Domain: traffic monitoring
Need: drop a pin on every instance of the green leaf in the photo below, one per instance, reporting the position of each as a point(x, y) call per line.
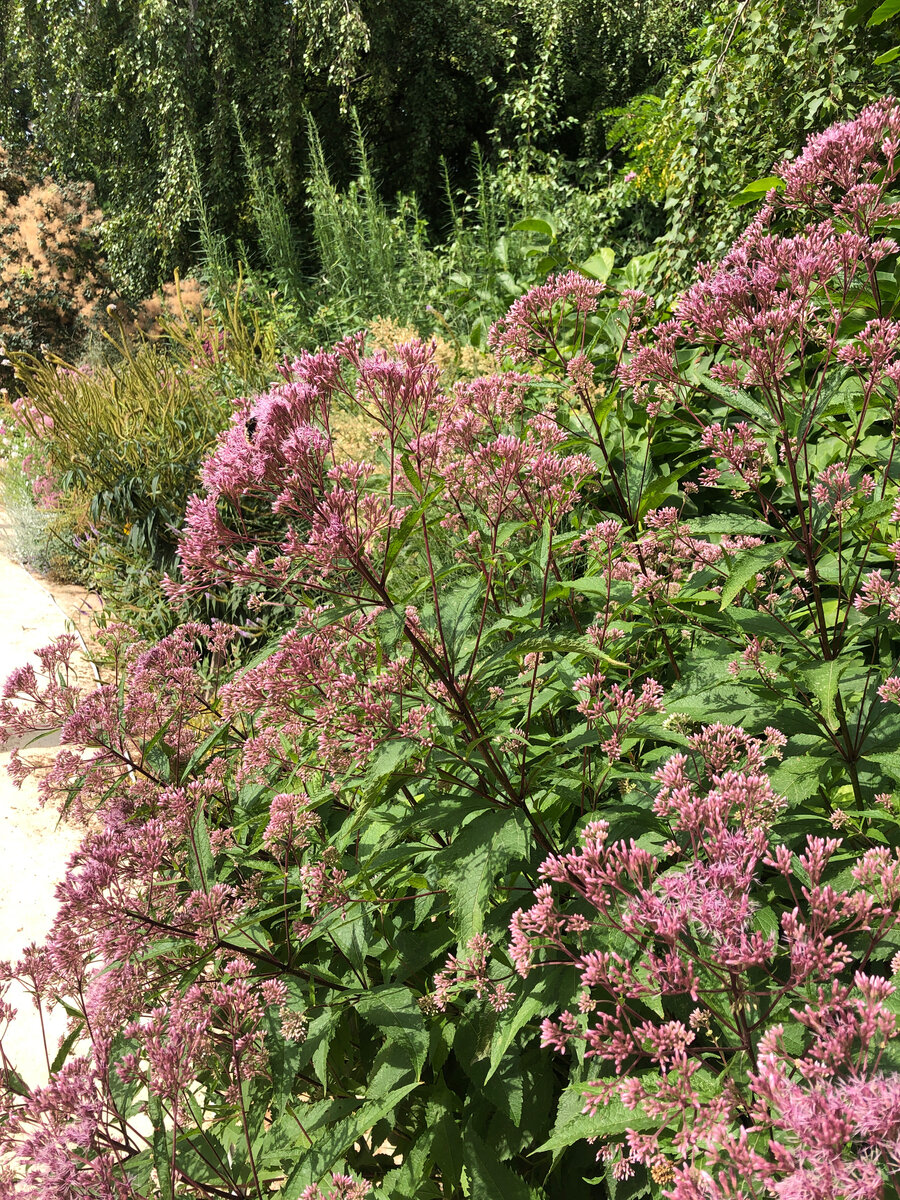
point(457, 610)
point(889, 763)
point(65, 1049)
point(201, 867)
point(387, 760)
point(14, 1082)
point(448, 1147)
point(480, 851)
point(160, 1144)
point(884, 12)
point(756, 190)
point(823, 681)
point(542, 998)
point(337, 1140)
point(395, 1013)
point(408, 525)
point(490, 1179)
point(735, 398)
point(733, 525)
point(799, 778)
point(600, 263)
point(573, 1125)
point(887, 57)
point(747, 564)
point(546, 227)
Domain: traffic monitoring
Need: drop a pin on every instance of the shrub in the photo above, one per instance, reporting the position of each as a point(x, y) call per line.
point(545, 600)
point(53, 281)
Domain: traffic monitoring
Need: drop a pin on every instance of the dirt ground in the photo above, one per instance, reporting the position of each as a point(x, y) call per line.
point(34, 846)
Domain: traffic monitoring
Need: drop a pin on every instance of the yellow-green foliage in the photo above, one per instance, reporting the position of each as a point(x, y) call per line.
point(131, 434)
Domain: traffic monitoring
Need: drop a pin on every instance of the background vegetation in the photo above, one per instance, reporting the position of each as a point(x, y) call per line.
point(499, 706)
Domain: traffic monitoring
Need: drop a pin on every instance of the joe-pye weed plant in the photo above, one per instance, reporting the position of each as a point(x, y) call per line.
point(591, 592)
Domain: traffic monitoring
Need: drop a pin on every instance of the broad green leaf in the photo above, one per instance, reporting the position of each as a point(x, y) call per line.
point(337, 1139)
point(884, 12)
point(756, 190)
point(545, 226)
point(387, 759)
point(746, 564)
point(201, 867)
point(735, 526)
point(66, 1048)
point(736, 398)
point(510, 1023)
point(160, 1144)
point(457, 611)
point(449, 1150)
point(799, 778)
point(490, 1179)
point(408, 525)
point(14, 1082)
point(889, 763)
point(887, 57)
point(318, 1040)
point(480, 851)
point(573, 1125)
point(600, 263)
point(395, 1013)
point(823, 681)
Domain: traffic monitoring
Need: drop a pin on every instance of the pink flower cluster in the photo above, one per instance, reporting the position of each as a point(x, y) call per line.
point(342, 1188)
point(133, 750)
point(470, 973)
point(779, 297)
point(338, 520)
point(616, 707)
point(793, 1035)
point(532, 324)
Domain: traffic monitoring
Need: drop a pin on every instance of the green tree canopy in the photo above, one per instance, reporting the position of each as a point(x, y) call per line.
point(130, 93)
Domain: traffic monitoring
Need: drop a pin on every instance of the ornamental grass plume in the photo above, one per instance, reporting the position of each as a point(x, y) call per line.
point(730, 987)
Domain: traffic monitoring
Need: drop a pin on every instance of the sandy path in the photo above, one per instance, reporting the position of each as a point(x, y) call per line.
point(34, 847)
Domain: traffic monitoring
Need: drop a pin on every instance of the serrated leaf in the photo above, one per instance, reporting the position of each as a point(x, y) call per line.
point(542, 998)
point(823, 680)
point(799, 778)
point(490, 1179)
point(201, 867)
point(480, 851)
point(65, 1049)
point(159, 1144)
point(408, 525)
point(572, 1125)
point(736, 397)
point(889, 763)
point(745, 565)
point(735, 526)
point(457, 611)
point(337, 1140)
point(395, 1013)
point(14, 1082)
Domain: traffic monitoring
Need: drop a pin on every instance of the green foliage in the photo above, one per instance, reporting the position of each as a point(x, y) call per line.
point(759, 78)
point(137, 96)
point(114, 450)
